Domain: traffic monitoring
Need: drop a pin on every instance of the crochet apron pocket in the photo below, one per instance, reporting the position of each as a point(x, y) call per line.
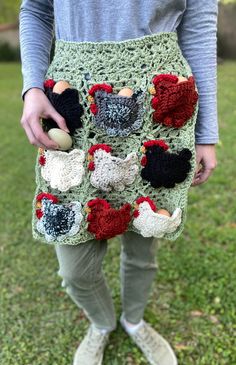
point(173, 99)
point(105, 221)
point(162, 168)
point(151, 222)
point(110, 172)
point(66, 101)
point(117, 106)
point(57, 221)
point(62, 170)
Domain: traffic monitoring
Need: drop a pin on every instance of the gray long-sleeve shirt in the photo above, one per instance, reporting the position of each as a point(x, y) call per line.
point(195, 21)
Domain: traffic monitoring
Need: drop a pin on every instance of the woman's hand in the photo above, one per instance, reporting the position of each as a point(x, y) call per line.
point(37, 106)
point(206, 163)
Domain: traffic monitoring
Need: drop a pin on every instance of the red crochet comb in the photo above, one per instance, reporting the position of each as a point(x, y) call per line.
point(105, 87)
point(97, 146)
point(50, 83)
point(96, 201)
point(173, 79)
point(147, 199)
point(156, 142)
point(49, 196)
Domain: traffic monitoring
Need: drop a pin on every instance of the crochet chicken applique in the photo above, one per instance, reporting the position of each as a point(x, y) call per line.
point(106, 222)
point(63, 170)
point(164, 168)
point(65, 100)
point(109, 172)
point(174, 99)
point(153, 223)
point(57, 221)
point(117, 114)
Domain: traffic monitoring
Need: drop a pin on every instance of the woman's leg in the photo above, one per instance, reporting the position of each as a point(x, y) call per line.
point(80, 266)
point(138, 268)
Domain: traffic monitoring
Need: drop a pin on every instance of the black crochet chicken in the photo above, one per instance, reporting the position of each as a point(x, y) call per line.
point(163, 168)
point(66, 102)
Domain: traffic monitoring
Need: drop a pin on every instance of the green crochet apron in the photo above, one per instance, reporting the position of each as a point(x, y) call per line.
point(133, 155)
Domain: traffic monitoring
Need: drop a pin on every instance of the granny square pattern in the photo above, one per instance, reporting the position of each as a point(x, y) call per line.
point(131, 108)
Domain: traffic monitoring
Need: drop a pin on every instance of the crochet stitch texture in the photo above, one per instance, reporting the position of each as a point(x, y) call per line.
point(59, 220)
point(118, 115)
point(152, 224)
point(132, 63)
point(110, 172)
point(63, 170)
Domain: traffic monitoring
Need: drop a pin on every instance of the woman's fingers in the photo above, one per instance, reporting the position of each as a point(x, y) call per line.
point(201, 177)
point(41, 136)
point(206, 163)
point(58, 119)
point(36, 135)
point(31, 137)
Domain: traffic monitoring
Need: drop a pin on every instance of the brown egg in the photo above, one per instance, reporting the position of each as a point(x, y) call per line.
point(181, 79)
point(60, 86)
point(126, 91)
point(163, 212)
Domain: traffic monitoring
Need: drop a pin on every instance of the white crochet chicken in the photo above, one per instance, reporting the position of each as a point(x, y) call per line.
point(63, 170)
point(110, 172)
point(152, 224)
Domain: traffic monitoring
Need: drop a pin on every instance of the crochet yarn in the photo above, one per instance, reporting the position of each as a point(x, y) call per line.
point(132, 161)
point(67, 104)
point(117, 115)
point(173, 101)
point(162, 168)
point(110, 172)
point(61, 169)
point(58, 220)
point(106, 222)
point(152, 224)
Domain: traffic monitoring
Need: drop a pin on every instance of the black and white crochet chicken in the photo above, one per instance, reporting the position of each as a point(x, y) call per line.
point(56, 221)
point(118, 115)
point(164, 168)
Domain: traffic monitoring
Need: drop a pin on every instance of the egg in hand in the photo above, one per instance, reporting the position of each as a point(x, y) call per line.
point(62, 138)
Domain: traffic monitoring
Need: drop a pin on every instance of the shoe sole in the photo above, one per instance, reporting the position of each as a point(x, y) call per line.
point(75, 362)
point(163, 339)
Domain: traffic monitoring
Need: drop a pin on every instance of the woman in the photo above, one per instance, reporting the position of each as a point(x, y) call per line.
point(139, 38)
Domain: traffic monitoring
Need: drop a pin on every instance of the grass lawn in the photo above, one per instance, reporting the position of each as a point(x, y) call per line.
point(193, 302)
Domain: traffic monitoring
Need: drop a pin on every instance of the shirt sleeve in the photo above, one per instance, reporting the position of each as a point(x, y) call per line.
point(36, 23)
point(197, 33)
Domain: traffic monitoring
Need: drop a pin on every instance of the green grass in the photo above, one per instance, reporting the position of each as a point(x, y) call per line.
point(193, 301)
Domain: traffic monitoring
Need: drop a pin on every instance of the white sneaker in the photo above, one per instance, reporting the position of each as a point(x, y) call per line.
point(156, 349)
point(91, 349)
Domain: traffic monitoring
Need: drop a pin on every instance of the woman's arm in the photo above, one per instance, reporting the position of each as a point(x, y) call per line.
point(197, 34)
point(36, 32)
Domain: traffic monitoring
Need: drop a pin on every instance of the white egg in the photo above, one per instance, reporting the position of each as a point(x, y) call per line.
point(62, 138)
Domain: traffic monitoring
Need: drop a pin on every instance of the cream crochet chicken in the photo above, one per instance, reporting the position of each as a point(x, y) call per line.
point(111, 172)
point(63, 170)
point(151, 223)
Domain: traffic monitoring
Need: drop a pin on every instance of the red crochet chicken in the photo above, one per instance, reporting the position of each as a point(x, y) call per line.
point(106, 222)
point(174, 99)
